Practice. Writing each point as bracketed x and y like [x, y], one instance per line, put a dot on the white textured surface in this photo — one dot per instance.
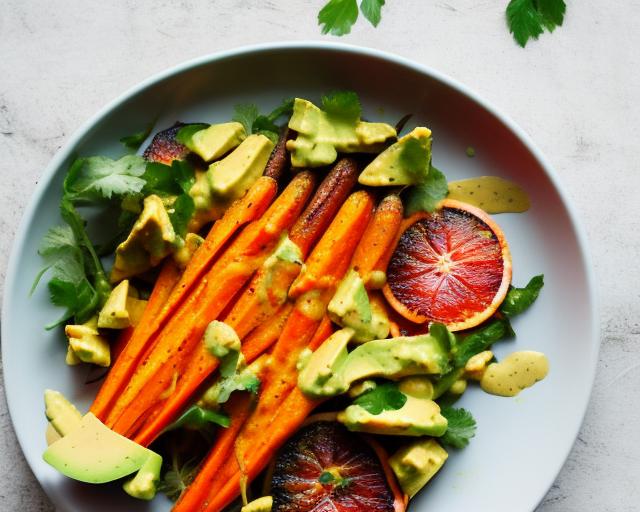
[576, 92]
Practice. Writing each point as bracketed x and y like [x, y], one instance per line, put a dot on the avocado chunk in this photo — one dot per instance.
[404, 163]
[232, 176]
[419, 386]
[415, 464]
[322, 135]
[351, 307]
[183, 255]
[93, 453]
[417, 417]
[263, 504]
[144, 484]
[62, 414]
[114, 314]
[87, 345]
[216, 140]
[282, 264]
[331, 369]
[151, 239]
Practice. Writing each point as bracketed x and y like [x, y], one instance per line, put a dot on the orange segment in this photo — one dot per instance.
[451, 266]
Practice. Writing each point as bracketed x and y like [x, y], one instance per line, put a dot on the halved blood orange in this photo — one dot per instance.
[326, 468]
[451, 266]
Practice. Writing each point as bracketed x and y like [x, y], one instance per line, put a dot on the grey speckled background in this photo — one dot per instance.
[577, 93]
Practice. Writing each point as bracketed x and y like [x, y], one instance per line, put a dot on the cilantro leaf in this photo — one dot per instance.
[519, 299]
[186, 132]
[264, 126]
[480, 340]
[168, 180]
[461, 428]
[385, 397]
[135, 141]
[338, 16]
[196, 418]
[527, 19]
[342, 104]
[246, 114]
[426, 196]
[98, 178]
[371, 10]
[79, 298]
[181, 212]
[59, 239]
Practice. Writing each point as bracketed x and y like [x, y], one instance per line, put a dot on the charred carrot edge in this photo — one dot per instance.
[130, 354]
[277, 164]
[241, 212]
[308, 314]
[185, 329]
[268, 288]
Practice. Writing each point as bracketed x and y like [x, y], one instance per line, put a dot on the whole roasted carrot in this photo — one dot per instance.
[266, 429]
[266, 292]
[185, 328]
[338, 245]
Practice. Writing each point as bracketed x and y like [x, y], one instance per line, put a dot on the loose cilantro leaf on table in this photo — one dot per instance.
[385, 397]
[338, 16]
[134, 141]
[519, 299]
[426, 196]
[527, 19]
[461, 428]
[371, 10]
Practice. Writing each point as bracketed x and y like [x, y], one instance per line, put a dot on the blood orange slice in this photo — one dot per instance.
[451, 266]
[326, 468]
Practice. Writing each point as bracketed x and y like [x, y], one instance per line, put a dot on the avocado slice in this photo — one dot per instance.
[216, 140]
[263, 504]
[321, 136]
[114, 314]
[62, 414]
[87, 345]
[415, 464]
[417, 417]
[404, 163]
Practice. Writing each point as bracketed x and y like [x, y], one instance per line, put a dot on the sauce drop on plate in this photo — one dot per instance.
[514, 373]
[491, 193]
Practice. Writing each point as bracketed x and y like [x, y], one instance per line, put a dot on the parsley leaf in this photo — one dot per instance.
[527, 19]
[461, 428]
[338, 16]
[134, 141]
[519, 299]
[371, 10]
[426, 196]
[97, 178]
[385, 397]
[480, 340]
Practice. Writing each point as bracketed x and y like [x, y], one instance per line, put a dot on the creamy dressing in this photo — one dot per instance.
[491, 193]
[517, 371]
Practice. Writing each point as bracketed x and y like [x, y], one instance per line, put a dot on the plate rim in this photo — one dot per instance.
[68, 148]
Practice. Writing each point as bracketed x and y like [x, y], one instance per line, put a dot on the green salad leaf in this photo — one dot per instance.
[426, 196]
[520, 299]
[134, 141]
[461, 428]
[527, 19]
[385, 397]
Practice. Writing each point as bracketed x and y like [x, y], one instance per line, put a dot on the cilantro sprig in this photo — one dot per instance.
[384, 397]
[249, 116]
[461, 427]
[338, 16]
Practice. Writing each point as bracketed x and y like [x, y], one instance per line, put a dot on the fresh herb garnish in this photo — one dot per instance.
[527, 19]
[519, 299]
[480, 340]
[385, 397]
[461, 428]
[426, 196]
[338, 16]
[134, 141]
[186, 132]
[249, 116]
[344, 105]
[197, 418]
[178, 477]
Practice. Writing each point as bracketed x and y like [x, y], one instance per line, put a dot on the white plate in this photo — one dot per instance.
[521, 443]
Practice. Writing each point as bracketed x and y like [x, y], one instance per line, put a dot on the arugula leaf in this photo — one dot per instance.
[426, 196]
[338, 16]
[461, 428]
[342, 104]
[197, 418]
[135, 141]
[98, 178]
[527, 19]
[519, 299]
[181, 212]
[245, 114]
[480, 340]
[385, 397]
[371, 10]
[186, 132]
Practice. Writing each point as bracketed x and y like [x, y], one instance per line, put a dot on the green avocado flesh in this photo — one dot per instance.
[216, 140]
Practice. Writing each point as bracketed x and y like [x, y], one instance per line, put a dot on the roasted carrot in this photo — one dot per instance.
[337, 245]
[278, 161]
[130, 354]
[186, 327]
[241, 212]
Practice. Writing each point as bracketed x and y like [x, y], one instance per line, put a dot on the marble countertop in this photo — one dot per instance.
[576, 92]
